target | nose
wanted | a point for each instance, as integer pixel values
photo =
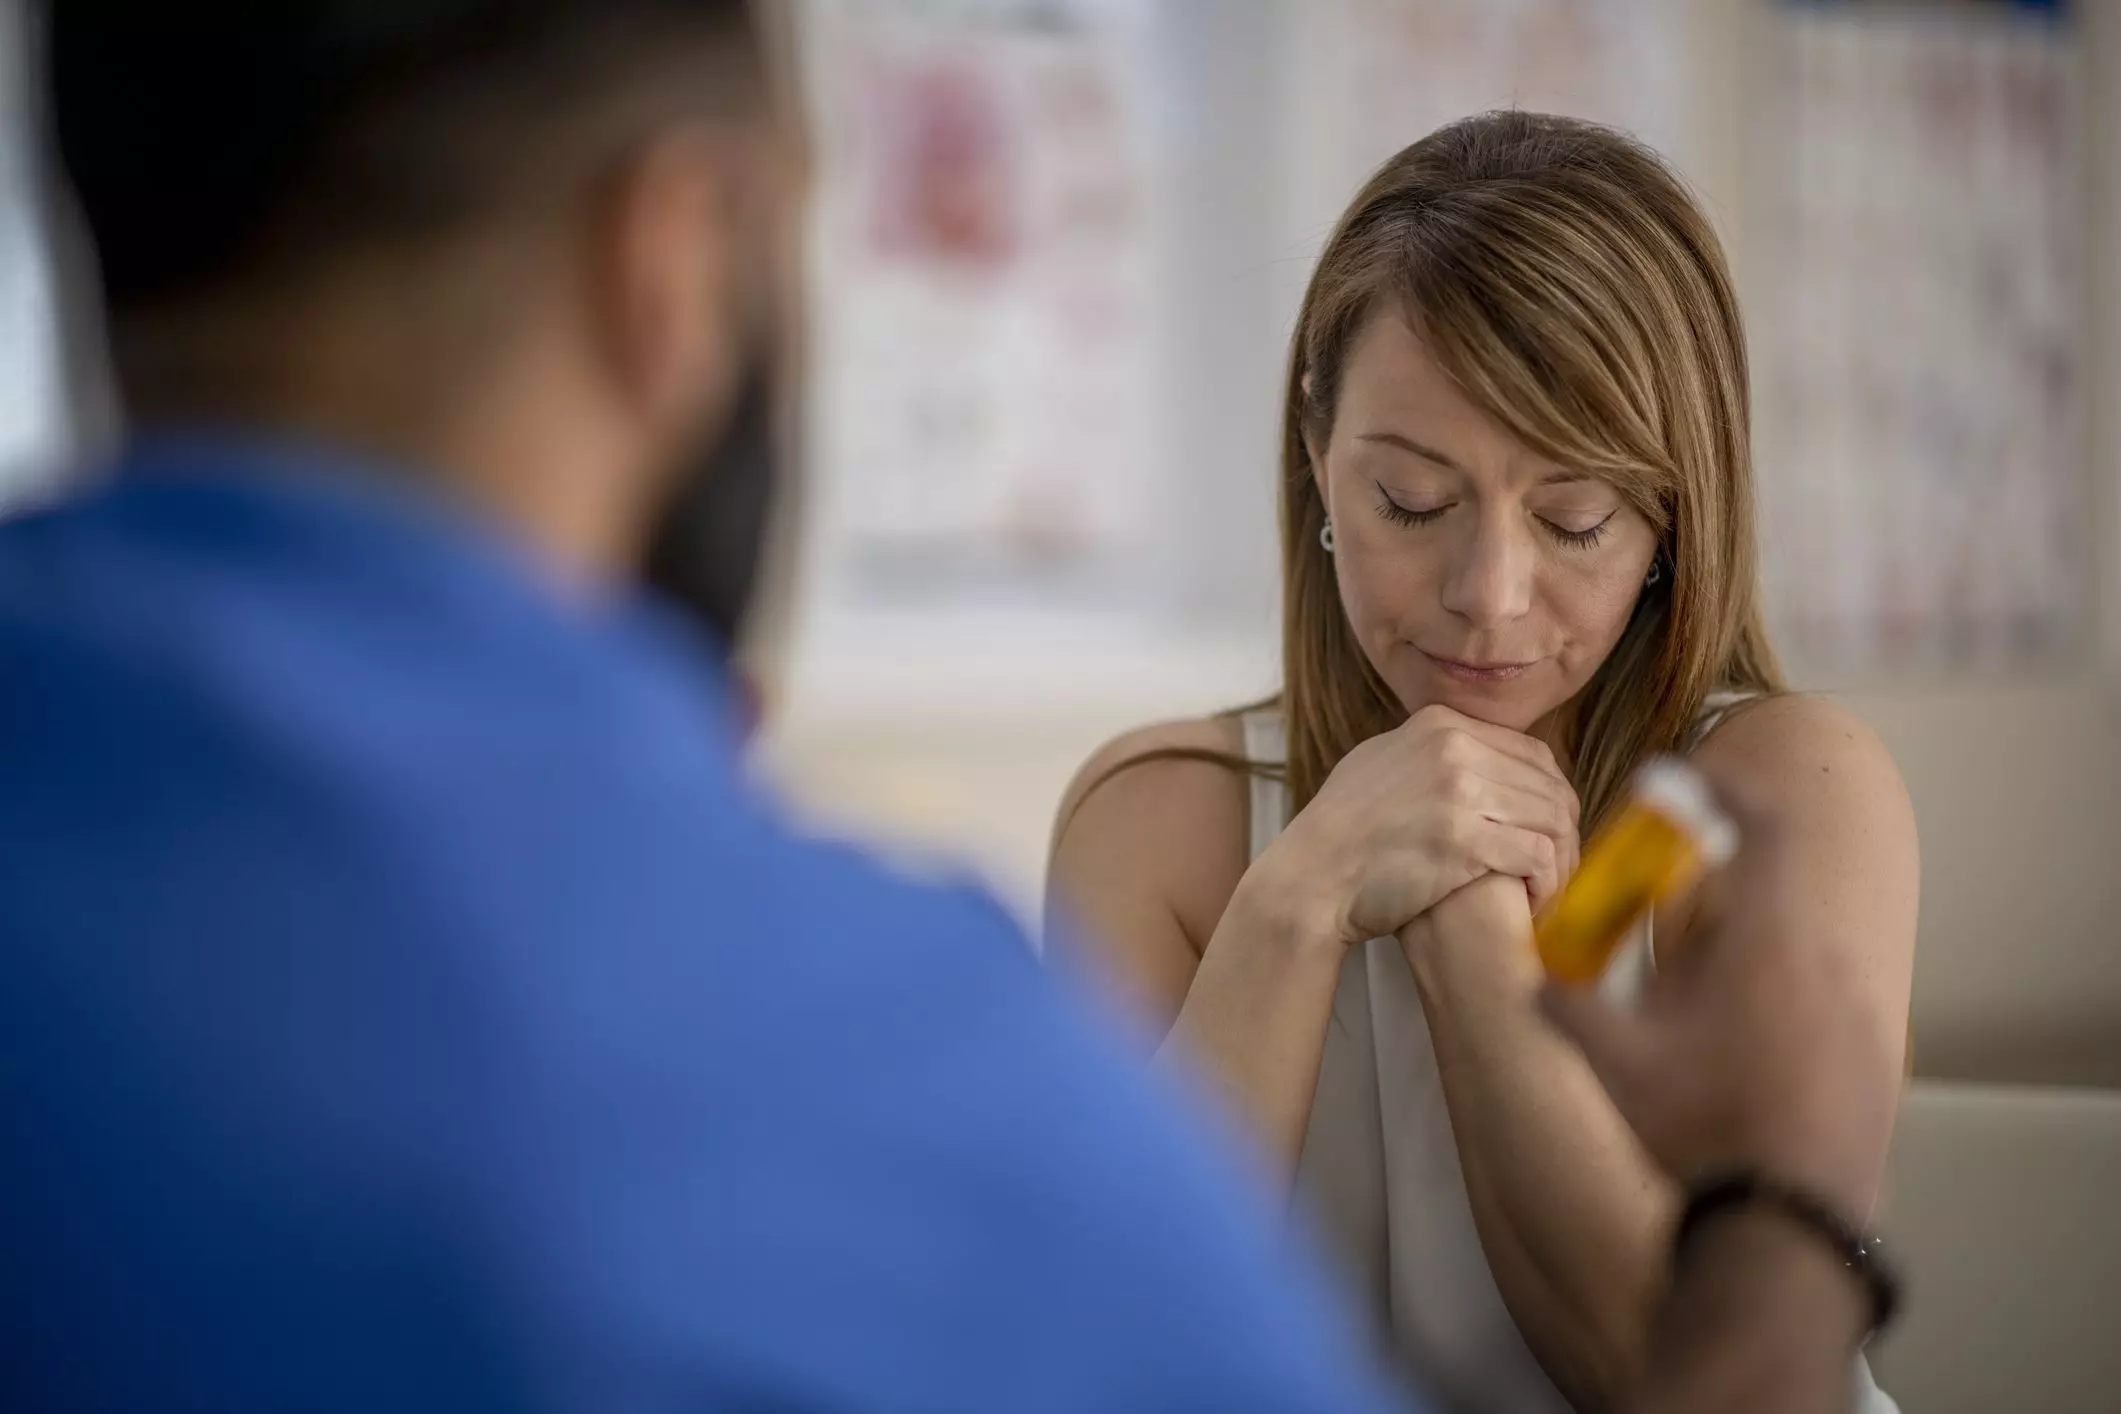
(1490, 580)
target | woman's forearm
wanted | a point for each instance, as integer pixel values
(1571, 1215)
(1256, 1013)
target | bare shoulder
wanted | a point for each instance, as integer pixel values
(1172, 770)
(1827, 773)
(1805, 754)
(1150, 841)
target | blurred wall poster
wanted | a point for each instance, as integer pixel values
(1382, 73)
(984, 320)
(1913, 195)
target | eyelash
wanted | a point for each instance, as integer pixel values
(1393, 511)
(1588, 539)
(1580, 539)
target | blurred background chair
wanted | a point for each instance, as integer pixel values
(2002, 1207)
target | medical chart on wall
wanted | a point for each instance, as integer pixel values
(1915, 221)
(984, 313)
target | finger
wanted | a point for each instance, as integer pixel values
(1538, 811)
(1571, 839)
(1531, 751)
(1500, 766)
(1520, 853)
(1489, 767)
(1462, 748)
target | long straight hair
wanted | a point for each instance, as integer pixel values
(1563, 277)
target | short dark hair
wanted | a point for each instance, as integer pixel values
(213, 141)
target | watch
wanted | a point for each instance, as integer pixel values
(1860, 1251)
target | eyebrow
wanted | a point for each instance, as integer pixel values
(1430, 454)
(1408, 444)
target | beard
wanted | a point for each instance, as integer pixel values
(706, 549)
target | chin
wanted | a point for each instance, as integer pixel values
(1517, 705)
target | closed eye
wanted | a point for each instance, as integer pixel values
(1392, 511)
(1580, 539)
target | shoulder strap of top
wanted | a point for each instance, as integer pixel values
(1714, 708)
(1266, 741)
(1626, 976)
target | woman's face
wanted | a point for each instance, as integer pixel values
(1476, 573)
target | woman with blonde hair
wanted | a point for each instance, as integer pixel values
(1518, 559)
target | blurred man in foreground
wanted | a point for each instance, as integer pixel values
(423, 1013)
(407, 1003)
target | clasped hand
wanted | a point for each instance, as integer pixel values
(1412, 816)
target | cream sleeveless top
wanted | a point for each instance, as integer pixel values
(1387, 1193)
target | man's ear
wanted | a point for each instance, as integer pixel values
(662, 280)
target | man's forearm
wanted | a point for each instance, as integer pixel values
(1761, 1319)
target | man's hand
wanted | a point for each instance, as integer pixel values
(1753, 1047)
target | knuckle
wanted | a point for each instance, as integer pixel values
(1431, 717)
(1454, 746)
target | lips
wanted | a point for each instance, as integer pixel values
(1475, 672)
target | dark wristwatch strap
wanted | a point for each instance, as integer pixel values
(1861, 1253)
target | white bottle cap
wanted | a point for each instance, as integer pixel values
(1673, 788)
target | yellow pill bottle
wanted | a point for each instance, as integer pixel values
(1664, 838)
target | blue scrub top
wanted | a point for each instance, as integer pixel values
(408, 1005)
